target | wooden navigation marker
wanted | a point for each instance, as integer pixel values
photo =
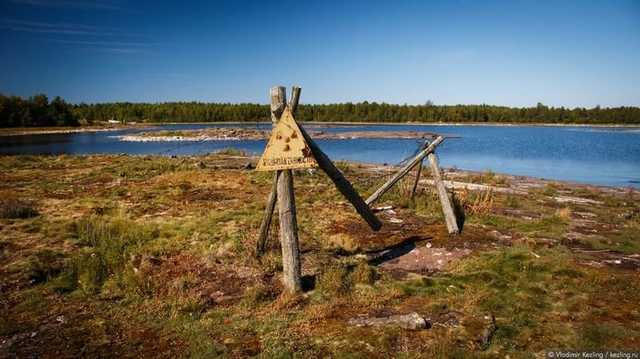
(402, 172)
(290, 147)
(343, 185)
(278, 98)
(286, 207)
(447, 209)
(287, 148)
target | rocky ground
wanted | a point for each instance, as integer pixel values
(145, 256)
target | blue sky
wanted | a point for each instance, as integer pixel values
(515, 53)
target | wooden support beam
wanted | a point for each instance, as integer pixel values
(289, 233)
(418, 158)
(447, 209)
(278, 96)
(418, 171)
(268, 213)
(343, 185)
(415, 184)
(286, 207)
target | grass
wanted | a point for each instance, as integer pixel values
(526, 293)
(624, 241)
(547, 226)
(152, 256)
(230, 151)
(490, 178)
(45, 265)
(335, 280)
(108, 247)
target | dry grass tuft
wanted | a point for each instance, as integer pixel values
(564, 213)
(363, 273)
(335, 280)
(476, 203)
(15, 208)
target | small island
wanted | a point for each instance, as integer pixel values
(240, 133)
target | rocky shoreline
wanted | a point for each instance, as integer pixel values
(26, 131)
(236, 134)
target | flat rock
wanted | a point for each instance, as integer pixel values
(413, 321)
(419, 258)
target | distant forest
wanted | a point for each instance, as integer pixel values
(39, 111)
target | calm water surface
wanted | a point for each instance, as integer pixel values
(602, 156)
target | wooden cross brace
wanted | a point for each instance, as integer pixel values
(427, 150)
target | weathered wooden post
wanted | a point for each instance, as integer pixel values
(415, 183)
(287, 213)
(268, 213)
(278, 97)
(289, 232)
(286, 208)
(447, 209)
(418, 172)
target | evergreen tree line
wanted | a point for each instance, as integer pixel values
(38, 111)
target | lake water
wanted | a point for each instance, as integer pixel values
(595, 155)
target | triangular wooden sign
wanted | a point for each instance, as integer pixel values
(286, 148)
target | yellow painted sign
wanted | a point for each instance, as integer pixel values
(286, 148)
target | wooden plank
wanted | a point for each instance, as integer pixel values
(289, 233)
(278, 95)
(343, 185)
(447, 209)
(418, 158)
